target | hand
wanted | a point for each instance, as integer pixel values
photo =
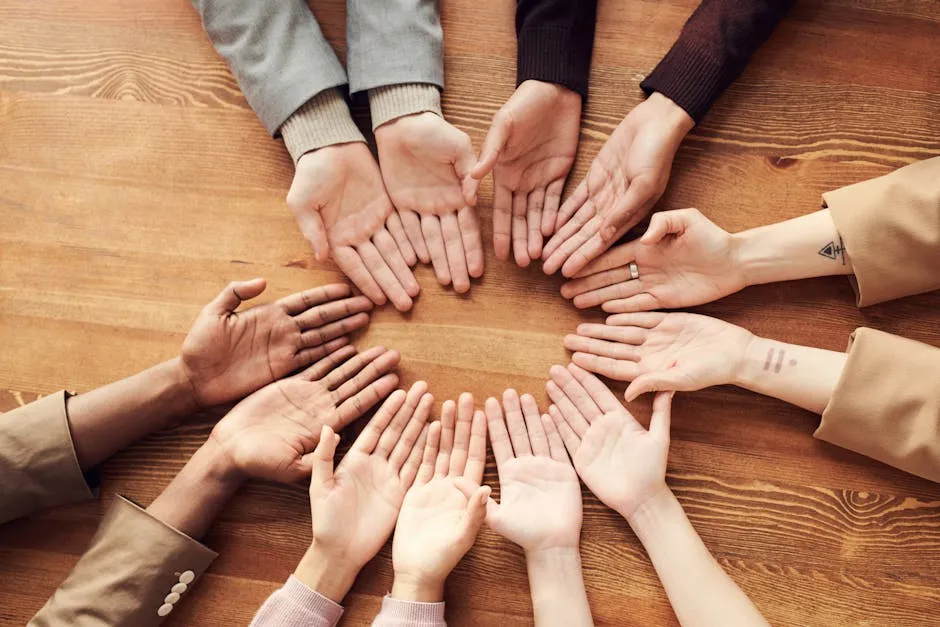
(530, 149)
(662, 351)
(620, 461)
(540, 497)
(230, 354)
(353, 510)
(623, 183)
(684, 259)
(270, 434)
(443, 511)
(426, 167)
(340, 203)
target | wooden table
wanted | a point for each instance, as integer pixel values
(135, 182)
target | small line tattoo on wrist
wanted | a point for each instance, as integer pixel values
(775, 358)
(834, 251)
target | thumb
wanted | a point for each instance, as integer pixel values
(320, 460)
(665, 223)
(463, 164)
(315, 232)
(476, 511)
(234, 293)
(669, 380)
(662, 416)
(492, 514)
(494, 143)
(629, 211)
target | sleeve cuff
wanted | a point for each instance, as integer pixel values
(887, 408)
(554, 55)
(38, 464)
(395, 101)
(688, 76)
(412, 612)
(323, 120)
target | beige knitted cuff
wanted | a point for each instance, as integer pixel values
(394, 101)
(322, 121)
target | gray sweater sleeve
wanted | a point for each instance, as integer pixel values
(393, 42)
(276, 51)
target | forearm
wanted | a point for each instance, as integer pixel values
(700, 591)
(799, 375)
(557, 586)
(109, 418)
(801, 248)
(198, 493)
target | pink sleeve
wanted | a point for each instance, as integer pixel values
(296, 605)
(397, 613)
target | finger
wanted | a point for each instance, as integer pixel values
(515, 423)
(317, 336)
(307, 356)
(456, 257)
(234, 293)
(566, 212)
(576, 393)
(662, 416)
(321, 460)
(348, 260)
(369, 438)
(550, 208)
(383, 275)
(361, 402)
(645, 320)
(332, 361)
(613, 350)
(397, 231)
(599, 393)
(341, 370)
(613, 333)
(616, 257)
(458, 456)
(472, 240)
(448, 420)
(431, 227)
(412, 225)
(499, 437)
(572, 415)
(640, 302)
(476, 457)
(396, 416)
(615, 369)
(556, 446)
(627, 288)
(314, 231)
(593, 282)
(372, 371)
(520, 235)
(409, 468)
(389, 251)
(502, 220)
(536, 202)
(332, 311)
(476, 512)
(533, 425)
(568, 239)
(494, 143)
(669, 380)
(638, 198)
(415, 429)
(593, 246)
(429, 458)
(463, 165)
(568, 436)
(299, 302)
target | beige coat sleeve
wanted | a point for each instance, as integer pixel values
(38, 466)
(135, 571)
(890, 227)
(886, 404)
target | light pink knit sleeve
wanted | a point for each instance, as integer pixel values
(397, 613)
(296, 605)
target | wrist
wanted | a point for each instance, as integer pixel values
(328, 574)
(417, 587)
(752, 257)
(182, 387)
(752, 362)
(559, 559)
(674, 117)
(653, 513)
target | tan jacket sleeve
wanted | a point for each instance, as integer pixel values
(135, 571)
(890, 227)
(887, 403)
(38, 466)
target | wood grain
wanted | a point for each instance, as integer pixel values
(135, 181)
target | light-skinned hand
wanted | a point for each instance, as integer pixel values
(618, 460)
(426, 165)
(540, 497)
(229, 354)
(662, 351)
(444, 509)
(270, 434)
(623, 183)
(341, 206)
(684, 259)
(530, 148)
